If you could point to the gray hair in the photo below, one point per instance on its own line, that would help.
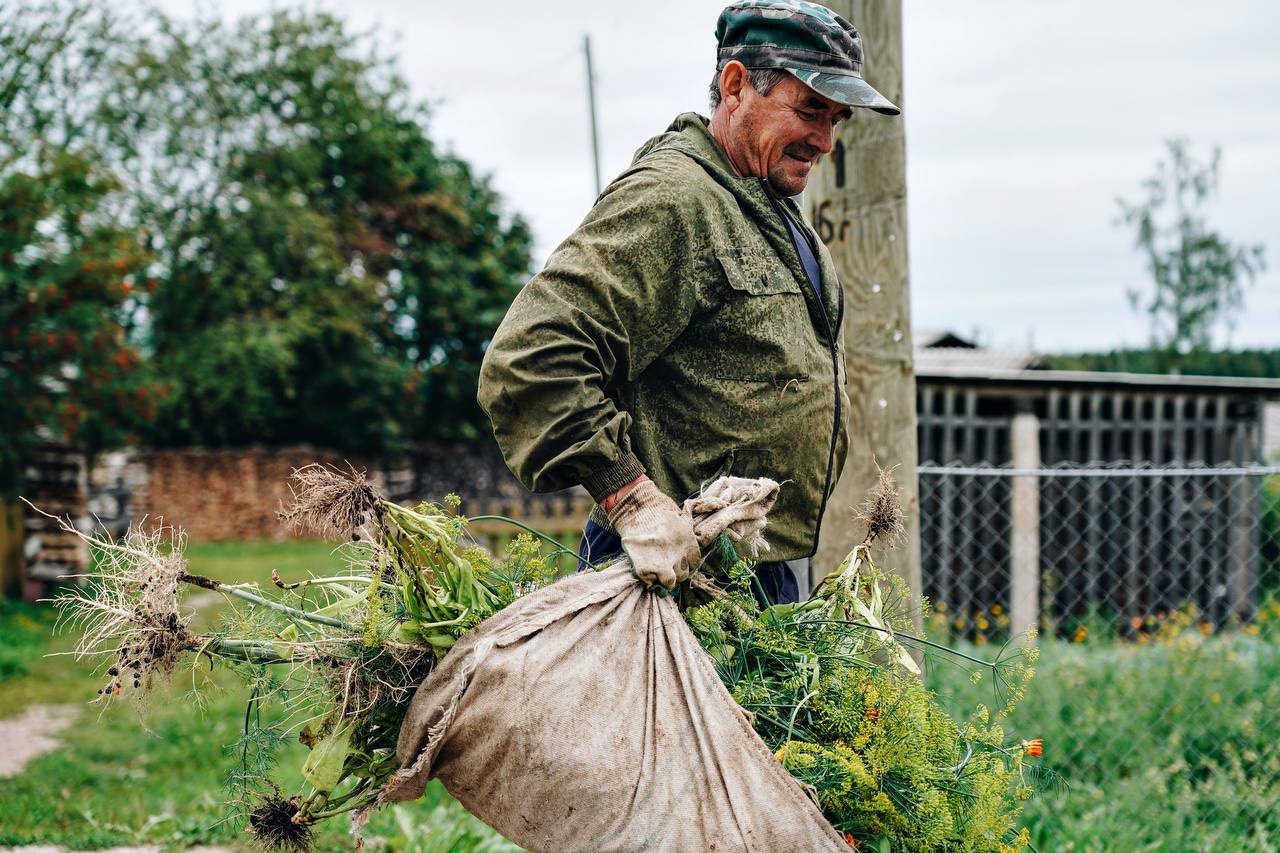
(762, 80)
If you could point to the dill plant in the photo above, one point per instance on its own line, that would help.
(340, 655)
(834, 691)
(830, 683)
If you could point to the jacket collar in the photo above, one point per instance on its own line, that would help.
(689, 134)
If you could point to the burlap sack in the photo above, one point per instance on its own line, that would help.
(586, 717)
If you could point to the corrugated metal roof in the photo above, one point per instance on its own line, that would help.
(925, 368)
(939, 337)
(941, 354)
(944, 359)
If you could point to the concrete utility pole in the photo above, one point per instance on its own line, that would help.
(857, 201)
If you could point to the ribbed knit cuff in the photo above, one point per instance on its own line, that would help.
(601, 518)
(609, 479)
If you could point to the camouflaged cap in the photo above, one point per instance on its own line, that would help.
(815, 44)
(674, 333)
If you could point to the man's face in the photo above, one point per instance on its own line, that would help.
(780, 136)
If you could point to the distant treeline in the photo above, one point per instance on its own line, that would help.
(1254, 363)
(225, 234)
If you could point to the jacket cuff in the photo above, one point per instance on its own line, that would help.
(614, 476)
(601, 518)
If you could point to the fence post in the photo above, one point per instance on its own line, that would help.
(1024, 569)
(12, 537)
(1242, 556)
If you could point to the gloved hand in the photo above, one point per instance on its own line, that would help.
(656, 534)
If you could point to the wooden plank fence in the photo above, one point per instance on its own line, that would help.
(559, 516)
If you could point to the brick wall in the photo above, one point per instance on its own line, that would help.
(223, 494)
(235, 493)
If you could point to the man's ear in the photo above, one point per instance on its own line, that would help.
(733, 77)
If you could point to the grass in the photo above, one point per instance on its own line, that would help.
(115, 783)
(1168, 744)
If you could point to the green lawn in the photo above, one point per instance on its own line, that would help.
(115, 783)
(1169, 745)
(1173, 744)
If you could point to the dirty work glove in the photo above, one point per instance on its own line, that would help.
(656, 535)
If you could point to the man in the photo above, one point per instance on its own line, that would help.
(690, 327)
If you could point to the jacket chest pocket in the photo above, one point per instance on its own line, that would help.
(762, 328)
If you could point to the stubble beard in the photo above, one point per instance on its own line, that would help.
(789, 184)
(781, 182)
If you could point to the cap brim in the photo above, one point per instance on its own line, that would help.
(846, 89)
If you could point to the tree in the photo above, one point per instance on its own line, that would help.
(1197, 275)
(327, 274)
(70, 276)
(321, 272)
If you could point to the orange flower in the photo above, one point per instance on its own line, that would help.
(873, 714)
(1034, 748)
(778, 754)
(849, 839)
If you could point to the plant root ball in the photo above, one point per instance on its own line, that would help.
(273, 821)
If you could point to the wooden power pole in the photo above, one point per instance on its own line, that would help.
(857, 201)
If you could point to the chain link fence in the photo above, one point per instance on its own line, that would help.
(1157, 594)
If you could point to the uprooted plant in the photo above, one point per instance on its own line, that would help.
(835, 691)
(342, 654)
(831, 683)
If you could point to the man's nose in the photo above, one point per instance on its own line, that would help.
(823, 139)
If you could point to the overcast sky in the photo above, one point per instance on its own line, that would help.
(1024, 122)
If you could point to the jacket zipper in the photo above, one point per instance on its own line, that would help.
(835, 355)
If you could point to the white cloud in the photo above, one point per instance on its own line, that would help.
(1024, 122)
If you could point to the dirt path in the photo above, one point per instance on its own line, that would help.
(202, 599)
(30, 735)
(46, 848)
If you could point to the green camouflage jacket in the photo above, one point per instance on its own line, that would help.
(675, 334)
